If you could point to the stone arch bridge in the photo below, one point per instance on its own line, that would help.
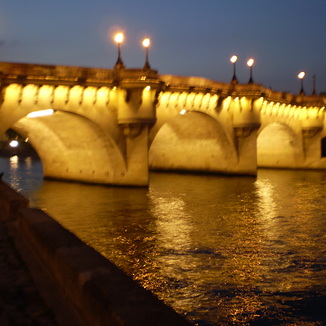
(112, 126)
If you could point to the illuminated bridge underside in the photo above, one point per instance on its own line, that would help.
(111, 126)
(72, 147)
(279, 147)
(195, 142)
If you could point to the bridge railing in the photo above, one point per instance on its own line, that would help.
(21, 73)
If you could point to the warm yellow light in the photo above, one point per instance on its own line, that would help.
(183, 111)
(234, 59)
(250, 62)
(147, 88)
(146, 42)
(119, 37)
(301, 75)
(41, 113)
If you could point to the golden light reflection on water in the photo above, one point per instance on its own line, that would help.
(267, 204)
(14, 179)
(223, 251)
(14, 162)
(173, 227)
(17, 168)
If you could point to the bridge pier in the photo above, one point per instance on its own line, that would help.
(137, 171)
(136, 102)
(246, 122)
(312, 124)
(245, 139)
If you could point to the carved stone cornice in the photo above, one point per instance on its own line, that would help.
(311, 132)
(246, 130)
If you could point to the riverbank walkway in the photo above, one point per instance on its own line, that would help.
(50, 277)
(20, 301)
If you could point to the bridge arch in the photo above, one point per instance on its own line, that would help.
(278, 146)
(192, 141)
(72, 147)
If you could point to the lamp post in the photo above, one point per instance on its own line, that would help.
(118, 38)
(146, 44)
(250, 64)
(234, 59)
(314, 85)
(301, 77)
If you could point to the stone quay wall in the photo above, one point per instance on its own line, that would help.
(97, 291)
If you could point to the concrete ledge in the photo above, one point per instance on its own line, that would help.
(10, 202)
(98, 292)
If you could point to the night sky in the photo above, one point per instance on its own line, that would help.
(189, 38)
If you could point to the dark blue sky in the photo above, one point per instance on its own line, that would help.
(190, 38)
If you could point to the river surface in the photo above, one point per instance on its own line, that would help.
(220, 250)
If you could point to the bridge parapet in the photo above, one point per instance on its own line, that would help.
(192, 84)
(203, 85)
(253, 90)
(20, 73)
(311, 101)
(26, 73)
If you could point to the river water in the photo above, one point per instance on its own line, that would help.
(220, 250)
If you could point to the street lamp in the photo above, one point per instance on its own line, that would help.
(14, 143)
(250, 64)
(118, 38)
(146, 44)
(234, 59)
(301, 77)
